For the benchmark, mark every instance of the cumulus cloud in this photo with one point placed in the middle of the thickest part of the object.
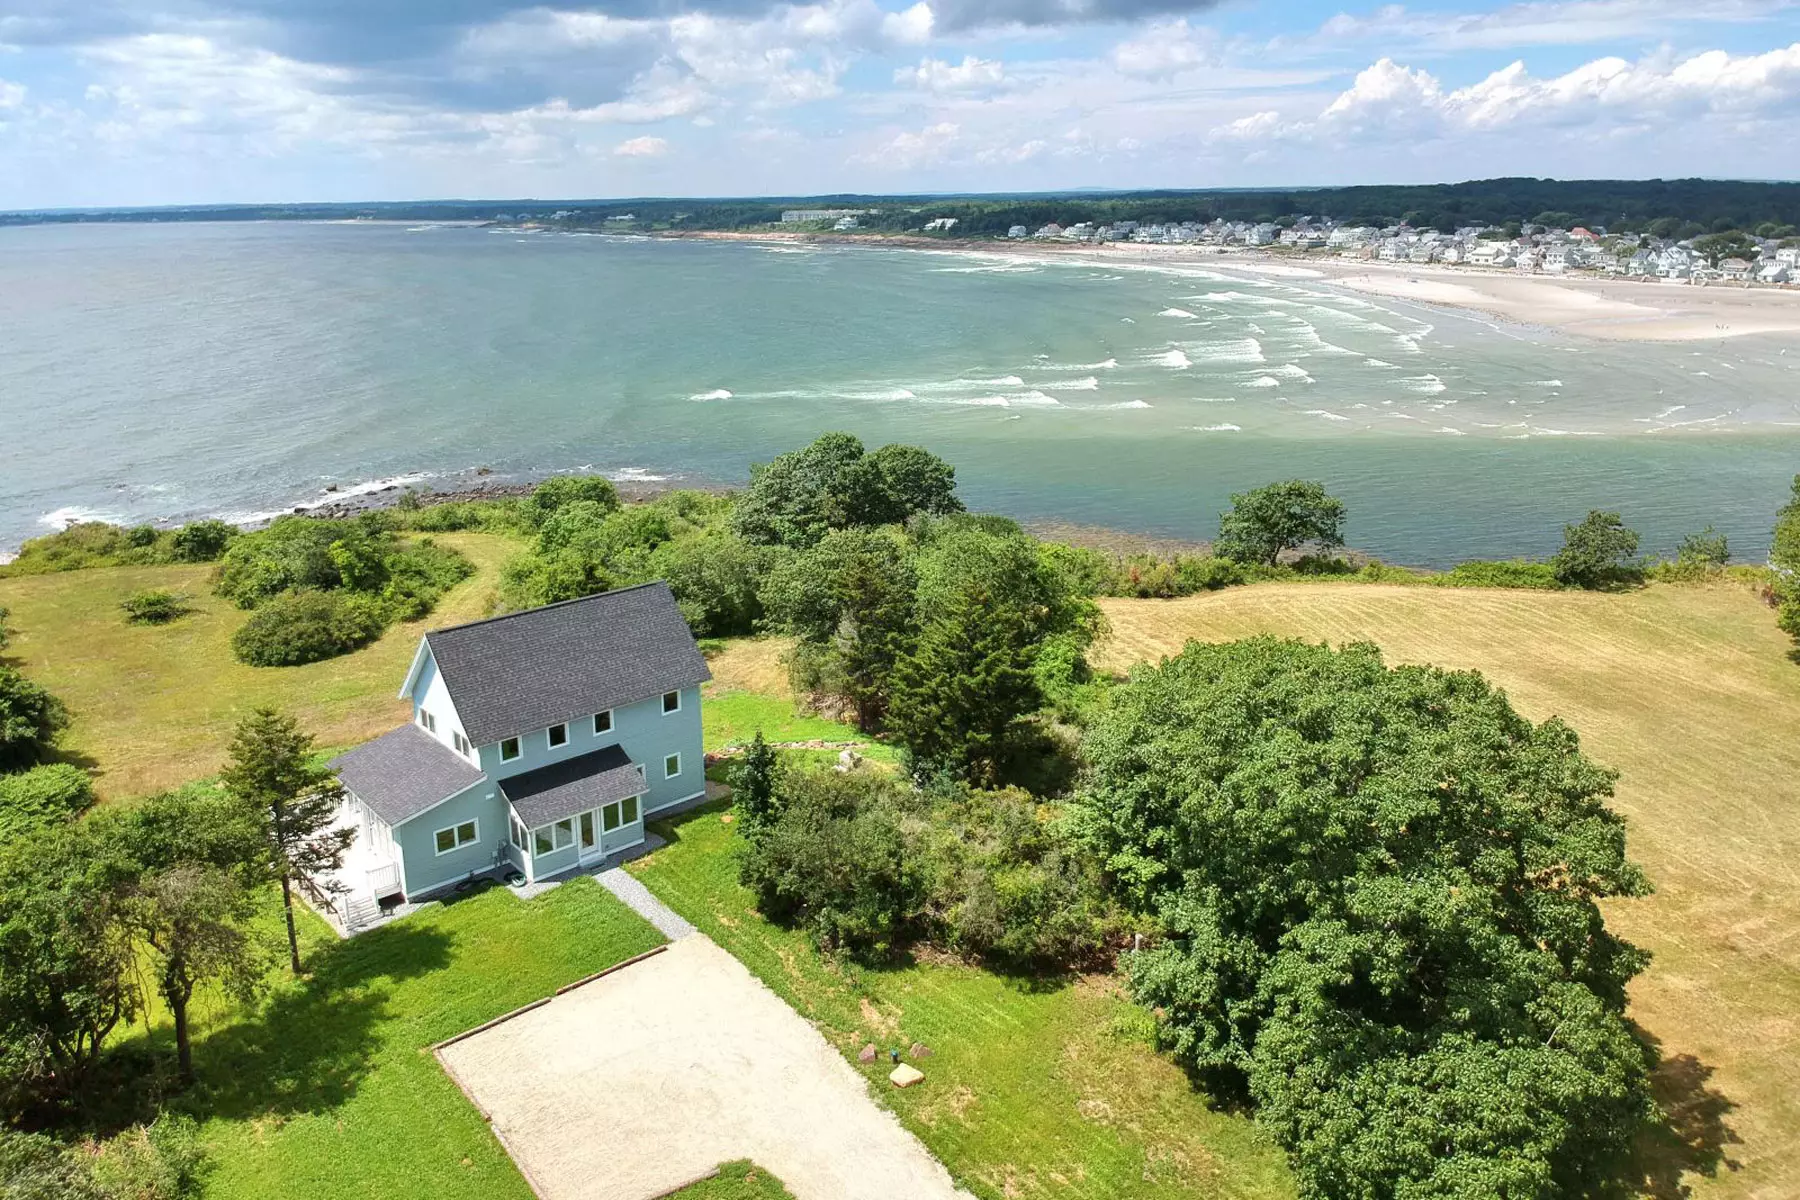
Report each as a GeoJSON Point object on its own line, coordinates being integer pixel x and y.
{"type": "Point", "coordinates": [956, 15]}
{"type": "Point", "coordinates": [12, 95]}
{"type": "Point", "coordinates": [642, 147]}
{"type": "Point", "coordinates": [1541, 22]}
{"type": "Point", "coordinates": [913, 148]}
{"type": "Point", "coordinates": [936, 75]}
{"type": "Point", "coordinates": [1166, 47]}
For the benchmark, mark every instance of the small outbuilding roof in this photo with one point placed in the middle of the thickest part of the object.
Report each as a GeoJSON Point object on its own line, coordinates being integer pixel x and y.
{"type": "Point", "coordinates": [403, 773]}
{"type": "Point", "coordinates": [528, 670]}
{"type": "Point", "coordinates": [562, 789]}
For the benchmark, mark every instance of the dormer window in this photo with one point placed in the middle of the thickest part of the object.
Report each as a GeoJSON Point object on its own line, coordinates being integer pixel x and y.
{"type": "Point", "coordinates": [671, 703]}
{"type": "Point", "coordinates": [509, 749]}
{"type": "Point", "coordinates": [603, 722]}
{"type": "Point", "coordinates": [558, 735]}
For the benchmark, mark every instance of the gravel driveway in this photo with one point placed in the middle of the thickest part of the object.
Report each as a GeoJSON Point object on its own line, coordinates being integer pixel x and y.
{"type": "Point", "coordinates": [651, 1076]}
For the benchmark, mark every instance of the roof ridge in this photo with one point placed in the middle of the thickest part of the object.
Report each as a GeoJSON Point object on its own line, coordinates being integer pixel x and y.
{"type": "Point", "coordinates": [545, 607]}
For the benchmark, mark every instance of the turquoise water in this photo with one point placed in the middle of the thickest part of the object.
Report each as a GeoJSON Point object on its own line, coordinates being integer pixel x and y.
{"type": "Point", "coordinates": [166, 371]}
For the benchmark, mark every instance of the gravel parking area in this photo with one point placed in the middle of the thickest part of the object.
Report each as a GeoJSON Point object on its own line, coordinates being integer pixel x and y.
{"type": "Point", "coordinates": [647, 1078]}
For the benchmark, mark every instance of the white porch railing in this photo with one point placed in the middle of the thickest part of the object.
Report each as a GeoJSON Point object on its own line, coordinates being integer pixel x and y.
{"type": "Point", "coordinates": [385, 879]}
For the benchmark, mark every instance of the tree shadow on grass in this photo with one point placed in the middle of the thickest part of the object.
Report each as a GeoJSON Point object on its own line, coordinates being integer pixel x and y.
{"type": "Point", "coordinates": [1691, 1137]}
{"type": "Point", "coordinates": [312, 1044]}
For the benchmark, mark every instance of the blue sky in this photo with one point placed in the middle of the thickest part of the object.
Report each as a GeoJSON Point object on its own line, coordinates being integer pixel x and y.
{"type": "Point", "coordinates": [190, 101]}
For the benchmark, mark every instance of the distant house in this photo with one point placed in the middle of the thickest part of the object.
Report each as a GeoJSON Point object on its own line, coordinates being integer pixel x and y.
{"type": "Point", "coordinates": [1775, 272]}
{"type": "Point", "coordinates": [1735, 268]}
{"type": "Point", "coordinates": [540, 742]}
{"type": "Point", "coordinates": [1018, 231]}
{"type": "Point", "coordinates": [845, 224]}
{"type": "Point", "coordinates": [943, 224]}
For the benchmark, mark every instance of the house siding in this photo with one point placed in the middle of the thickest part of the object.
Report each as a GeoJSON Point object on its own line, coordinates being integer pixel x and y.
{"type": "Point", "coordinates": [425, 869]}
{"type": "Point", "coordinates": [641, 729]}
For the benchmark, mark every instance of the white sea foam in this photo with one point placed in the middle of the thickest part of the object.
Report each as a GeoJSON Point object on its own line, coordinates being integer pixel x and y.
{"type": "Point", "coordinates": [1264, 381]}
{"type": "Point", "coordinates": [635, 475]}
{"type": "Point", "coordinates": [898, 393]}
{"type": "Point", "coordinates": [715, 394]}
{"type": "Point", "coordinates": [1089, 383]}
{"type": "Point", "coordinates": [1126, 404]}
{"type": "Point", "coordinates": [1425, 385]}
{"type": "Point", "coordinates": [1566, 432]}
{"type": "Point", "coordinates": [1225, 427]}
{"type": "Point", "coordinates": [1183, 313]}
{"type": "Point", "coordinates": [1664, 415]}
{"type": "Point", "coordinates": [1547, 383]}
{"type": "Point", "coordinates": [1291, 371]}
{"type": "Point", "coordinates": [1175, 360]}
{"type": "Point", "coordinates": [1031, 399]}
{"type": "Point", "coordinates": [1376, 362]}
{"type": "Point", "coordinates": [1328, 415]}
{"type": "Point", "coordinates": [1237, 350]}
{"type": "Point", "coordinates": [75, 514]}
{"type": "Point", "coordinates": [1447, 429]}
{"type": "Point", "coordinates": [1215, 399]}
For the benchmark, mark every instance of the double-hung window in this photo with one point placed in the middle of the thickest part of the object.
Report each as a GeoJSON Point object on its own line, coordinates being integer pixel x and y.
{"type": "Point", "coordinates": [671, 766]}
{"type": "Point", "coordinates": [603, 722]}
{"type": "Point", "coordinates": [517, 832]}
{"type": "Point", "coordinates": [461, 743]}
{"type": "Point", "coordinates": [455, 837]}
{"type": "Point", "coordinates": [427, 721]}
{"type": "Point", "coordinates": [509, 749]}
{"type": "Point", "coordinates": [671, 703]}
{"type": "Point", "coordinates": [558, 735]}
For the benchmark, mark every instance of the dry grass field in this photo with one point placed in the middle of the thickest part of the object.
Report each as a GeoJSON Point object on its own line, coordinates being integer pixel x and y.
{"type": "Point", "coordinates": [1689, 693]}
{"type": "Point", "coordinates": [154, 706]}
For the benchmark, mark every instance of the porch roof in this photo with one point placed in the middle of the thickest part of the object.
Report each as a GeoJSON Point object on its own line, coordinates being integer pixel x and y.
{"type": "Point", "coordinates": [562, 789]}
{"type": "Point", "coordinates": [405, 772]}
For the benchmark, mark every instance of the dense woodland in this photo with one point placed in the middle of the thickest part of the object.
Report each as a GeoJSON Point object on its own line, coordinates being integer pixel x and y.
{"type": "Point", "coordinates": [1698, 205]}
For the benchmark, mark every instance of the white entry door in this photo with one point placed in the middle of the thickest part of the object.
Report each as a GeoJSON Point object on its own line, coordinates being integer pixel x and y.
{"type": "Point", "coordinates": [588, 838]}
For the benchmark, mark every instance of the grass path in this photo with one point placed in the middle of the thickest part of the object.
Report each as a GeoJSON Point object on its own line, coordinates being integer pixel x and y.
{"type": "Point", "coordinates": [1688, 692]}
{"type": "Point", "coordinates": [1032, 1089]}
{"type": "Point", "coordinates": [154, 706]}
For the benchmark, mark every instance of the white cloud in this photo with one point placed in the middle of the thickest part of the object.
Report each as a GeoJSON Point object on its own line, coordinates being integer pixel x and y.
{"type": "Point", "coordinates": [911, 27]}
{"type": "Point", "coordinates": [914, 149]}
{"type": "Point", "coordinates": [642, 147]}
{"type": "Point", "coordinates": [1165, 48]}
{"type": "Point", "coordinates": [936, 75]}
{"type": "Point", "coordinates": [1258, 126]}
{"type": "Point", "coordinates": [12, 95]}
{"type": "Point", "coordinates": [1540, 23]}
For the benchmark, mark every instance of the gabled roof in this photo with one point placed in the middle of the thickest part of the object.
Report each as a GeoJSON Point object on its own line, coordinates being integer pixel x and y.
{"type": "Point", "coordinates": [403, 773]}
{"type": "Point", "coordinates": [527, 670]}
{"type": "Point", "coordinates": [574, 785]}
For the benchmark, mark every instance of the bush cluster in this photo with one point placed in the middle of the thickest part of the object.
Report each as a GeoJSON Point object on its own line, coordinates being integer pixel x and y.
{"type": "Point", "coordinates": [40, 796]}
{"type": "Point", "coordinates": [320, 587]}
{"type": "Point", "coordinates": [154, 606]}
{"type": "Point", "coordinates": [306, 626]}
{"type": "Point", "coordinates": [869, 865]}
{"type": "Point", "coordinates": [100, 544]}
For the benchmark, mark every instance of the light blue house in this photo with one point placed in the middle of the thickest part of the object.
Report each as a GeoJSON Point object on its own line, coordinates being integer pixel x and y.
{"type": "Point", "coordinates": [540, 742]}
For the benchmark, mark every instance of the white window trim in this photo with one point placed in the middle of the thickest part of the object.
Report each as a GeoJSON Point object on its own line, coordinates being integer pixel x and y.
{"type": "Point", "coordinates": [599, 732]}
{"type": "Point", "coordinates": [516, 754]}
{"type": "Point", "coordinates": [667, 711]}
{"type": "Point", "coordinates": [676, 773]}
{"type": "Point", "coordinates": [550, 743]}
{"type": "Point", "coordinates": [462, 744]}
{"type": "Point", "coordinates": [474, 839]}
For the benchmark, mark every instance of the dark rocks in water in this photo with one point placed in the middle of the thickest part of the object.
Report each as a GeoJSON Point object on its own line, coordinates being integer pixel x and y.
{"type": "Point", "coordinates": [331, 487]}
{"type": "Point", "coordinates": [484, 470]}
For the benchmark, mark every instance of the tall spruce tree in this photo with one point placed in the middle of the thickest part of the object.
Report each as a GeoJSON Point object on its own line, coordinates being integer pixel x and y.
{"type": "Point", "coordinates": [272, 770]}
{"type": "Point", "coordinates": [965, 683]}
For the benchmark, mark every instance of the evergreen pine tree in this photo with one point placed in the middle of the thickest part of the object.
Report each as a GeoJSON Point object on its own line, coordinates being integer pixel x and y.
{"type": "Point", "coordinates": [753, 784]}
{"type": "Point", "coordinates": [272, 770]}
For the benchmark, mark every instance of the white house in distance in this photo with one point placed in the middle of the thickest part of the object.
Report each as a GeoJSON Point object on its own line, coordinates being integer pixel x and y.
{"type": "Point", "coordinates": [540, 742]}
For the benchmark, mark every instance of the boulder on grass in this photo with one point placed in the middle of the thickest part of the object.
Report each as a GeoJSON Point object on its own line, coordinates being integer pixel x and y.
{"type": "Point", "coordinates": [867, 1054]}
{"type": "Point", "coordinates": [919, 1050]}
{"type": "Point", "coordinates": [905, 1075]}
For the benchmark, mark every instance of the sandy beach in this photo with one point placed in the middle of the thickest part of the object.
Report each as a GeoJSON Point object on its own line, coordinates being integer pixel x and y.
{"type": "Point", "coordinates": [1610, 309]}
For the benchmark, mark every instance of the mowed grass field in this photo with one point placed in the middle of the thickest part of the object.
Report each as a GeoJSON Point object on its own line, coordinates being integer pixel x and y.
{"type": "Point", "coordinates": [1689, 693]}
{"type": "Point", "coordinates": [154, 706]}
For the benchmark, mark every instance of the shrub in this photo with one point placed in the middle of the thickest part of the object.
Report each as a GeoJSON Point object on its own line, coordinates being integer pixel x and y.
{"type": "Point", "coordinates": [154, 606]}
{"type": "Point", "coordinates": [79, 546]}
{"type": "Point", "coordinates": [34, 1167]}
{"type": "Point", "coordinates": [1597, 553]}
{"type": "Point", "coordinates": [306, 626]}
{"type": "Point", "coordinates": [418, 575]}
{"type": "Point", "coordinates": [30, 719]}
{"type": "Point", "coordinates": [160, 1161]}
{"type": "Point", "coordinates": [715, 578]}
{"type": "Point", "coordinates": [561, 490]}
{"type": "Point", "coordinates": [835, 862]}
{"type": "Point", "coordinates": [201, 541]}
{"type": "Point", "coordinates": [1707, 549]}
{"type": "Point", "coordinates": [43, 795]}
{"type": "Point", "coordinates": [292, 553]}
{"type": "Point", "coordinates": [1512, 573]}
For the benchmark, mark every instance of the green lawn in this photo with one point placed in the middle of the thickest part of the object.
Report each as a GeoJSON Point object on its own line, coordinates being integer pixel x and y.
{"type": "Point", "coordinates": [1031, 1089]}
{"type": "Point", "coordinates": [330, 1089]}
{"type": "Point", "coordinates": [742, 1180]}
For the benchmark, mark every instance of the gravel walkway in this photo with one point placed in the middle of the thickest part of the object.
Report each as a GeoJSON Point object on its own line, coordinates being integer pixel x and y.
{"type": "Point", "coordinates": [638, 898]}
{"type": "Point", "coordinates": [645, 1079]}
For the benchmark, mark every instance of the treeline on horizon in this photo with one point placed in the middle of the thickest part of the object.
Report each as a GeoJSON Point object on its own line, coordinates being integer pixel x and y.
{"type": "Point", "coordinates": [1689, 206]}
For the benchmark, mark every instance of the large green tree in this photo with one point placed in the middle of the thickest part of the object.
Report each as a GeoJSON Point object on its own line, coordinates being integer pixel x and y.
{"type": "Point", "coordinates": [1597, 552]}
{"type": "Point", "coordinates": [274, 770]}
{"type": "Point", "coordinates": [967, 682]}
{"type": "Point", "coordinates": [1784, 560]}
{"type": "Point", "coordinates": [1379, 890]}
{"type": "Point", "coordinates": [1266, 521]}
{"type": "Point", "coordinates": [67, 975]}
{"type": "Point", "coordinates": [30, 719]}
{"type": "Point", "coordinates": [798, 497]}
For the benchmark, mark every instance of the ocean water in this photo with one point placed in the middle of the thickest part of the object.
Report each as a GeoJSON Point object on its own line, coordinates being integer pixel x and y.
{"type": "Point", "coordinates": [161, 372]}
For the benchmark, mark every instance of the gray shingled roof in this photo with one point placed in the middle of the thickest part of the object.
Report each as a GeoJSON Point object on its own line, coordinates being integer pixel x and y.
{"type": "Point", "coordinates": [574, 785]}
{"type": "Point", "coordinates": [403, 773]}
{"type": "Point", "coordinates": [528, 670]}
